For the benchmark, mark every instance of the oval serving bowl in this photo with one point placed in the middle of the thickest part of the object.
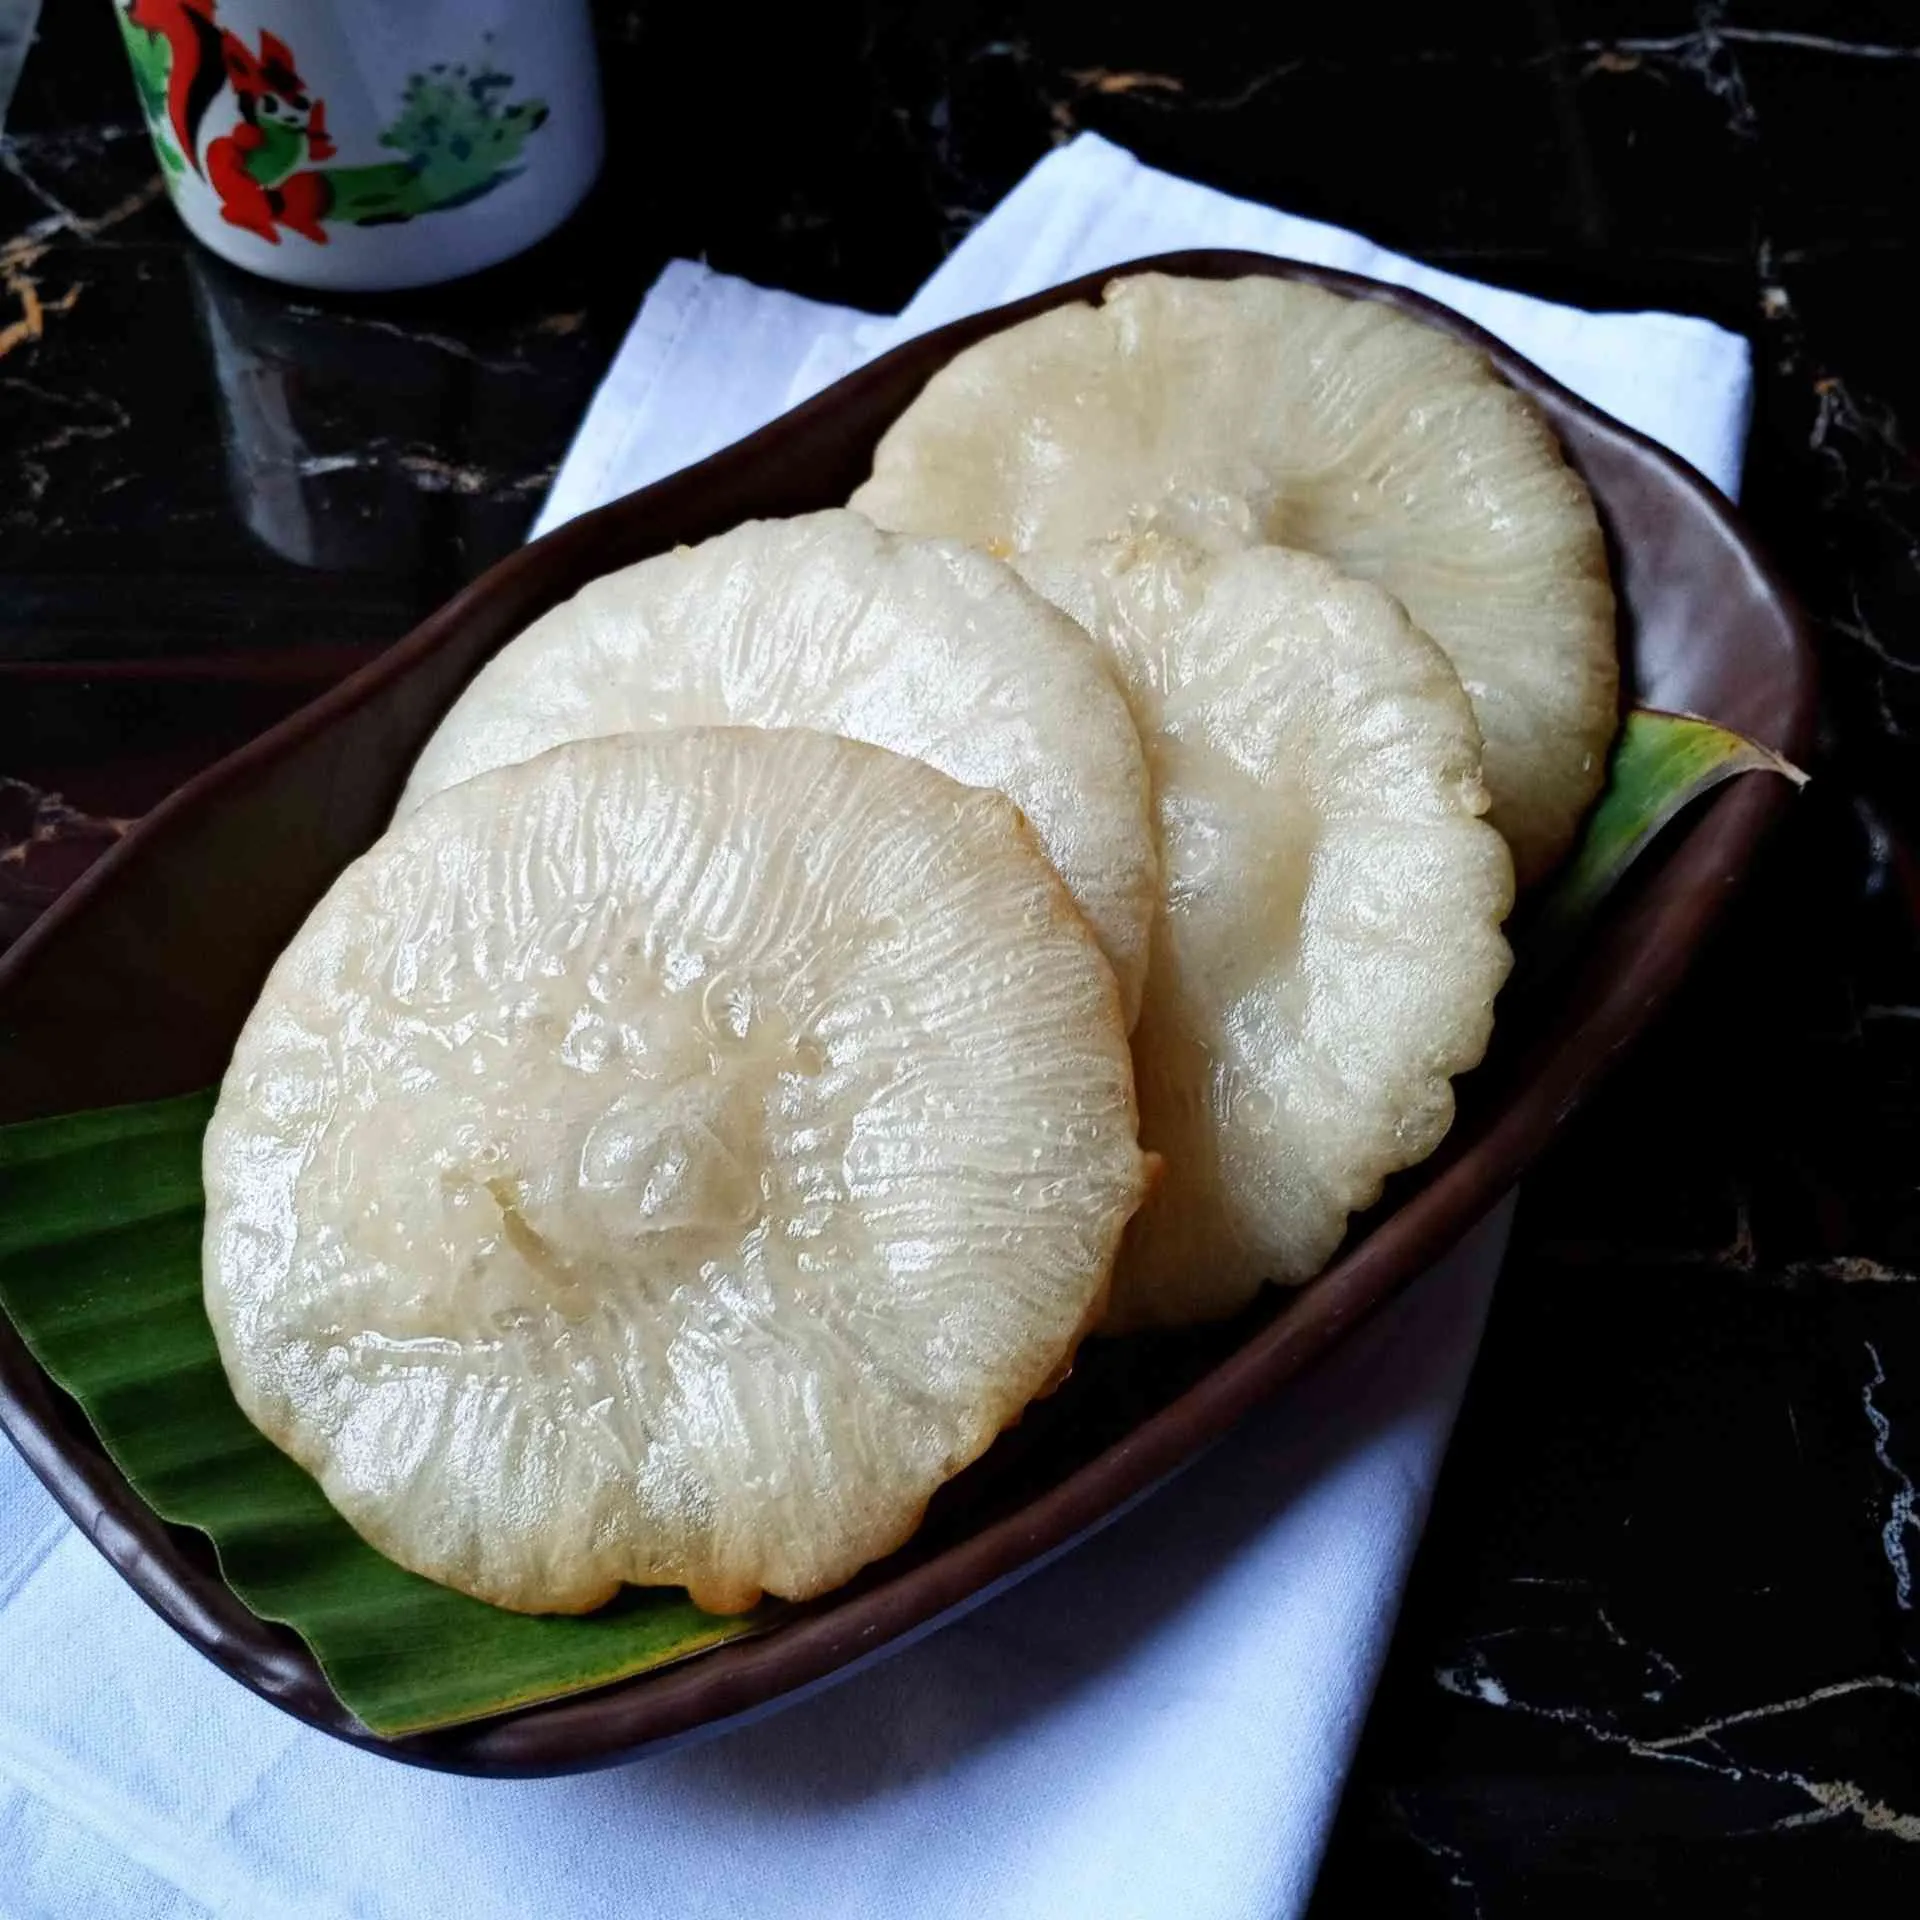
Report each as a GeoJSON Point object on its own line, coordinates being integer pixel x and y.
{"type": "Point", "coordinates": [135, 985]}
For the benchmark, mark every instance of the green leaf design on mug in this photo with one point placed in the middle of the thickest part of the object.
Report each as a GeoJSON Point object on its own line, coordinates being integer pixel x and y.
{"type": "Point", "coordinates": [148, 52]}
{"type": "Point", "coordinates": [461, 138]}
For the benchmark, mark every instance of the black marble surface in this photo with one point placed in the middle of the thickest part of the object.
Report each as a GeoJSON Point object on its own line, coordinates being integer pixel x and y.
{"type": "Point", "coordinates": [1662, 1647]}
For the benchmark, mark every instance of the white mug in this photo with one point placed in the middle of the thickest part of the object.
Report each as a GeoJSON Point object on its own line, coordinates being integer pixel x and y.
{"type": "Point", "coordinates": [368, 144]}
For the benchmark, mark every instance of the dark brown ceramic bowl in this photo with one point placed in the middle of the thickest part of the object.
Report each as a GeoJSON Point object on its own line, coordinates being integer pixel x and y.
{"type": "Point", "coordinates": [135, 985]}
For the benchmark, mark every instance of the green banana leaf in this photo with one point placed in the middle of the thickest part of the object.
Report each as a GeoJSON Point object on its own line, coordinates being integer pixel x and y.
{"type": "Point", "coordinates": [100, 1271]}
{"type": "Point", "coordinates": [1660, 763]}
{"type": "Point", "coordinates": [100, 1217]}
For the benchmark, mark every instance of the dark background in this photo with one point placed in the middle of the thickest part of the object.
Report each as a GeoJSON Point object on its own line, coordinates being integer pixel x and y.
{"type": "Point", "coordinates": [1660, 1652]}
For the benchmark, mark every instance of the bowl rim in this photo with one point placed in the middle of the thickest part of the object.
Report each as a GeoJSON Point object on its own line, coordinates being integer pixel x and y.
{"type": "Point", "coordinates": [843, 1632]}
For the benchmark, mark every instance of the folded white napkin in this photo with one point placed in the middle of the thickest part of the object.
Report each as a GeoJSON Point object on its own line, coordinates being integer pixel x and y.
{"type": "Point", "coordinates": [711, 357]}
{"type": "Point", "coordinates": [1157, 1725]}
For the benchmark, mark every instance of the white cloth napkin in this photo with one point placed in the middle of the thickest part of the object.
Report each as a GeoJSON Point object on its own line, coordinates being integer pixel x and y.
{"type": "Point", "coordinates": [1157, 1725]}
{"type": "Point", "coordinates": [711, 357]}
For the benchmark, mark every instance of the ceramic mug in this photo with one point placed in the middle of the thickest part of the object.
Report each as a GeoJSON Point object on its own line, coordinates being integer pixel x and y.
{"type": "Point", "coordinates": [368, 144]}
